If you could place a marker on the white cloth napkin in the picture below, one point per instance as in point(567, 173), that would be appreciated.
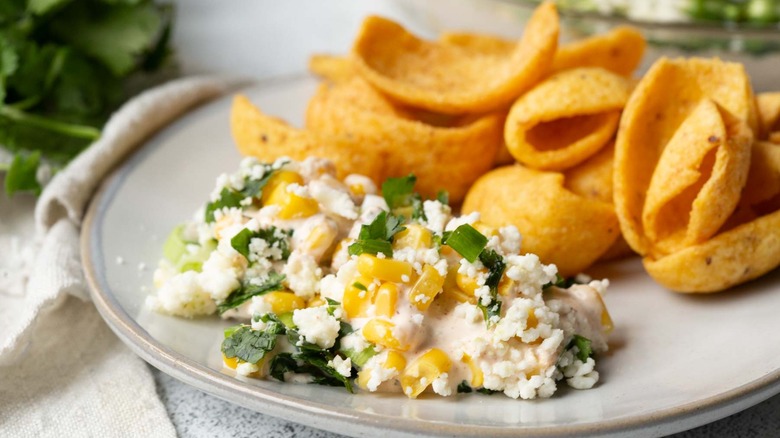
point(62, 371)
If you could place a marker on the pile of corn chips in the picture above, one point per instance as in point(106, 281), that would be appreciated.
point(681, 166)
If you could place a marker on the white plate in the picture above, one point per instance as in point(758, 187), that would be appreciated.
point(676, 361)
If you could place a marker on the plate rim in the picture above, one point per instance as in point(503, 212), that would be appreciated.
point(332, 418)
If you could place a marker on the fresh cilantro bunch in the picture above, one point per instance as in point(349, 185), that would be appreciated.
point(64, 67)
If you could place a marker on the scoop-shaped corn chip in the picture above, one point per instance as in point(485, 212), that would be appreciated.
point(738, 255)
point(450, 79)
point(593, 177)
point(267, 138)
point(659, 104)
point(769, 112)
point(619, 51)
point(566, 119)
point(761, 194)
point(331, 67)
point(449, 157)
point(551, 219)
point(698, 179)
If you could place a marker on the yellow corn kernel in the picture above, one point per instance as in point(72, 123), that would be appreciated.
point(404, 211)
point(363, 377)
point(414, 236)
point(317, 301)
point(447, 251)
point(477, 378)
point(292, 206)
point(280, 178)
point(380, 332)
point(230, 362)
point(426, 288)
point(385, 300)
point(452, 290)
point(505, 286)
point(423, 371)
point(531, 322)
point(485, 229)
point(606, 319)
point(395, 360)
point(466, 284)
point(283, 302)
point(357, 189)
point(356, 300)
point(384, 269)
point(321, 236)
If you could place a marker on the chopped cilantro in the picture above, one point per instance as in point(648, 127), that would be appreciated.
point(443, 196)
point(249, 290)
point(464, 388)
point(251, 345)
point(274, 236)
point(584, 350)
point(561, 282)
point(360, 286)
point(496, 265)
point(467, 241)
point(398, 192)
point(377, 236)
point(487, 391)
point(22, 174)
point(65, 66)
point(227, 199)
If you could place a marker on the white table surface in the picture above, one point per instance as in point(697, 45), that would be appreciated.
point(262, 38)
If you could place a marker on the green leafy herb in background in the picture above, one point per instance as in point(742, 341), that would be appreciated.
point(64, 67)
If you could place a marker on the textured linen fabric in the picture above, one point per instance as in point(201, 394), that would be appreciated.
point(62, 371)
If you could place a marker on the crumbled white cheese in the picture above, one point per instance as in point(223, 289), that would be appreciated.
point(341, 365)
point(437, 214)
point(182, 295)
point(219, 276)
point(246, 368)
point(317, 326)
point(460, 220)
point(441, 385)
point(303, 274)
point(332, 200)
point(529, 272)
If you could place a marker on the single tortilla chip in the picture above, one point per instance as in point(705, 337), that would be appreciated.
point(736, 256)
point(662, 100)
point(332, 67)
point(593, 178)
point(267, 138)
point(447, 153)
point(619, 51)
point(566, 119)
point(698, 179)
point(450, 79)
point(551, 219)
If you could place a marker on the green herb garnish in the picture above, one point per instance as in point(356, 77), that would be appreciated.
point(496, 265)
point(584, 350)
point(251, 345)
point(467, 241)
point(377, 237)
point(249, 290)
point(275, 237)
point(464, 388)
point(65, 66)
